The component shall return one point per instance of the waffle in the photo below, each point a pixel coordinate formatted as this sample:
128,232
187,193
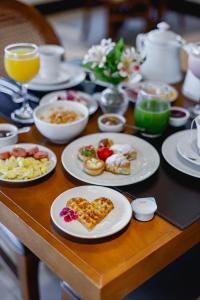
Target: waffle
90,213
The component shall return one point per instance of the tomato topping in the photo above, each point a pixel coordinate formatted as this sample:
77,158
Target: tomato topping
88,151
104,152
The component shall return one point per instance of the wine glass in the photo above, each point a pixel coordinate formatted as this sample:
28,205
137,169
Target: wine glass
22,63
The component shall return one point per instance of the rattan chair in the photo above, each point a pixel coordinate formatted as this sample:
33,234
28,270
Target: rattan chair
21,23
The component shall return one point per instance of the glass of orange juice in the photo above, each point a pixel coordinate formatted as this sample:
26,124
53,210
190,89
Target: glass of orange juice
22,63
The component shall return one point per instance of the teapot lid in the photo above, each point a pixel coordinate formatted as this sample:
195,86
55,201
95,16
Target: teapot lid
162,34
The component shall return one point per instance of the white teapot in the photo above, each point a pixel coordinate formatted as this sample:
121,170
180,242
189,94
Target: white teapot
161,47
191,86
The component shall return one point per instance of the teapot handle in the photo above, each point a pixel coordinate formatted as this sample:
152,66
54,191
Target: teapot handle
141,43
188,48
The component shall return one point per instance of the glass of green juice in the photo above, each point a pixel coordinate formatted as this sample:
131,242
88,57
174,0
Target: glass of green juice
152,112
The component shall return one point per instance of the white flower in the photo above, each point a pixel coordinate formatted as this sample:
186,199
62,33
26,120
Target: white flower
129,63
97,54
108,45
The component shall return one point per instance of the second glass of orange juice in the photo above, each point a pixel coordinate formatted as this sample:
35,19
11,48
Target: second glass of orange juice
22,63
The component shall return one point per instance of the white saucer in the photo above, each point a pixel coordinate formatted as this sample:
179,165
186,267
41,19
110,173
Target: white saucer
171,155
76,76
187,147
60,78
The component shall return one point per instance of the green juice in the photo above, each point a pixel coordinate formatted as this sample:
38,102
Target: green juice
153,115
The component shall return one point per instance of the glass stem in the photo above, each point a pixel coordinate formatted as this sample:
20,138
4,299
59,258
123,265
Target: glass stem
24,94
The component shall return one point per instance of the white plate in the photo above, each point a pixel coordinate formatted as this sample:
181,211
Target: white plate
76,76
171,155
52,158
173,94
62,76
187,147
52,97
144,166
115,221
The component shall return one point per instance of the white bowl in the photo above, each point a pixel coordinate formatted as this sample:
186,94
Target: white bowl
111,128
5,141
61,133
179,121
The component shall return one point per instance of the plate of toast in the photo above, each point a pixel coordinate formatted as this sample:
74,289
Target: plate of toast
110,159
91,212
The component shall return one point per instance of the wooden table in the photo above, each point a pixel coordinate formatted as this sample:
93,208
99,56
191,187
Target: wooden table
109,269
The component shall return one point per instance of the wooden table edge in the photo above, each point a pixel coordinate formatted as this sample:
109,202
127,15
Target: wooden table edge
99,286
151,264
16,219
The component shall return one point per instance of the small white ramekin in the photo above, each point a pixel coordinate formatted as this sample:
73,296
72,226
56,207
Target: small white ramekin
111,128
144,208
177,122
10,140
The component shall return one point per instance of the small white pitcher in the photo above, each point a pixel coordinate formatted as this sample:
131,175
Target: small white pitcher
197,121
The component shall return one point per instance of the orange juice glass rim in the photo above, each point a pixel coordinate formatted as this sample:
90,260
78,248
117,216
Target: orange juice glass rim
21,45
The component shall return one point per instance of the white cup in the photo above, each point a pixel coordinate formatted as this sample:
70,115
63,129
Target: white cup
11,139
50,59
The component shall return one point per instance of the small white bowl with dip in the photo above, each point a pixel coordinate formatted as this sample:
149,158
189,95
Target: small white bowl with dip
111,123
12,138
144,208
179,116
60,133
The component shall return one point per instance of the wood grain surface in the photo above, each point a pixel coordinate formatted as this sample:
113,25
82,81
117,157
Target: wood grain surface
104,269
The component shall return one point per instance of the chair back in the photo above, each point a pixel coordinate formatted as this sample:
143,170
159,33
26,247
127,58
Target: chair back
23,23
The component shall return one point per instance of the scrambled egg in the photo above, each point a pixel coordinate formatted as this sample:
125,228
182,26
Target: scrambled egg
23,168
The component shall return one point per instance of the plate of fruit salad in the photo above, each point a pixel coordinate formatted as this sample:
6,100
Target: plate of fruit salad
25,162
72,95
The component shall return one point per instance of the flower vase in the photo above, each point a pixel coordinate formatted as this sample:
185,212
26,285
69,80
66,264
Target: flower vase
114,100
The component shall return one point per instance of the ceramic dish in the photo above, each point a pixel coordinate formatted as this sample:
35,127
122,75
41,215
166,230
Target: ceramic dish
91,103
158,87
64,132
109,126
144,166
179,116
144,208
187,147
52,159
76,76
171,155
115,221
10,140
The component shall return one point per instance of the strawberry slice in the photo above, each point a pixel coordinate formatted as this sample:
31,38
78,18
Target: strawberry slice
104,152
